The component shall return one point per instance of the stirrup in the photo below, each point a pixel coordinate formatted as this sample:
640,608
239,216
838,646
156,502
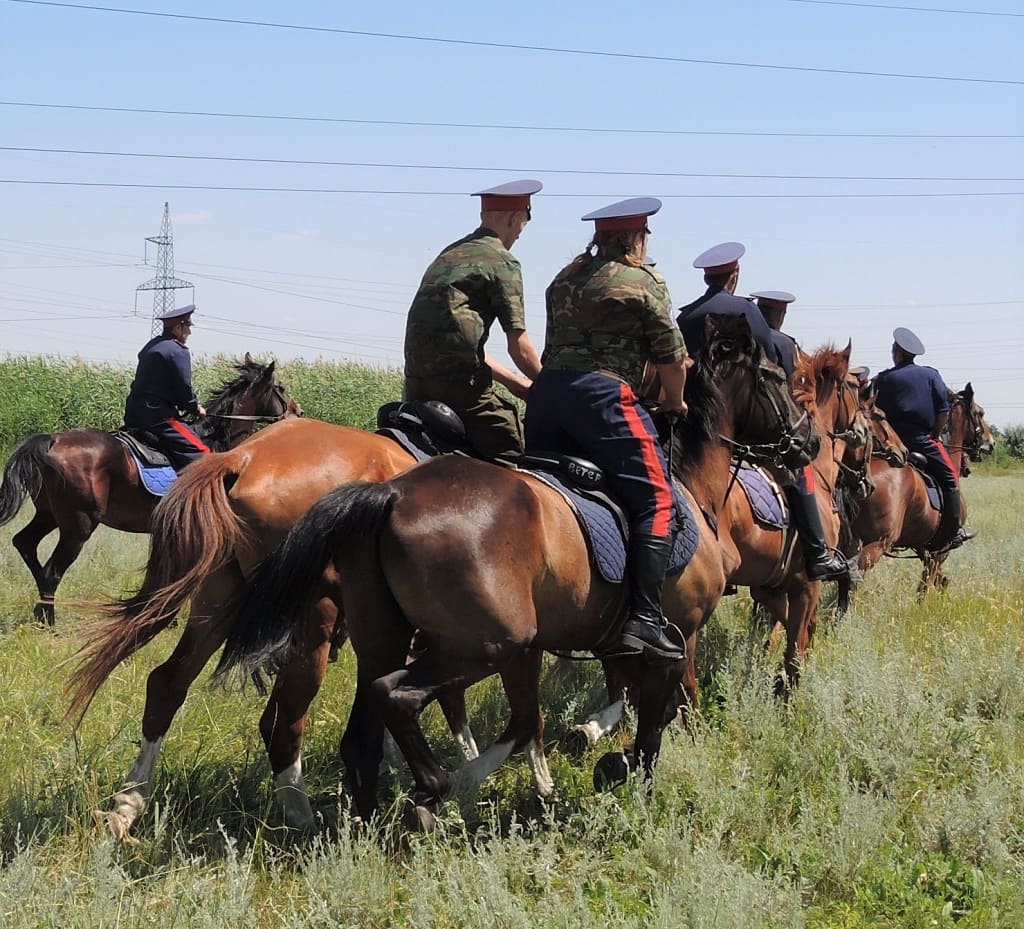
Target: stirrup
830,568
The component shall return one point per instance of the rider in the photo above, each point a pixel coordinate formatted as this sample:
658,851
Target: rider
472,283
916,401
607,317
163,388
822,563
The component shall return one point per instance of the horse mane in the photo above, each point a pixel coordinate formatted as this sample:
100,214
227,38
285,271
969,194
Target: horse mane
702,422
814,373
224,399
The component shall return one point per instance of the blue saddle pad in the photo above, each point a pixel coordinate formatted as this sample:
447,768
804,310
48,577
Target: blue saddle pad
406,442
156,480
605,533
766,501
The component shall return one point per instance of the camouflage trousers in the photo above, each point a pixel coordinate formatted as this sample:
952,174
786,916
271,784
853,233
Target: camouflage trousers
492,423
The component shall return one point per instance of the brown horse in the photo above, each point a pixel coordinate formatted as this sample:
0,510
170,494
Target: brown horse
84,477
761,557
220,519
491,564
769,560
898,515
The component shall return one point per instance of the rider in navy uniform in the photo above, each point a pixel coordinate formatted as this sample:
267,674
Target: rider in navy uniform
162,389
608,317
773,305
916,401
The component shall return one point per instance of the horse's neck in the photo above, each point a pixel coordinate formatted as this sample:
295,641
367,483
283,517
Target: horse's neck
958,426
708,470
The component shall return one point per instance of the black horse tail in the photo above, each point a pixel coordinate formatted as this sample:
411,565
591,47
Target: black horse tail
23,474
283,586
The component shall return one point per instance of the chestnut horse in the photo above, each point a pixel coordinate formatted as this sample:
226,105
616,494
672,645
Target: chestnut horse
84,477
769,560
220,519
491,564
898,515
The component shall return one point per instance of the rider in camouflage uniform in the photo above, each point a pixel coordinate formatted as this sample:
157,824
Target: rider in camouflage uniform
472,283
607,317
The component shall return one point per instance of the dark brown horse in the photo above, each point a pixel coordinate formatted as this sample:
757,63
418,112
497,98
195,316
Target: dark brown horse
898,516
82,478
491,565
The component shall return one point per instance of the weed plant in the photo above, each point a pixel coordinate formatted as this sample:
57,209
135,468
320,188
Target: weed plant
887,792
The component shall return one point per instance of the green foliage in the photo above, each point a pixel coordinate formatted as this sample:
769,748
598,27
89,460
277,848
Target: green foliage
54,394
1012,440
885,794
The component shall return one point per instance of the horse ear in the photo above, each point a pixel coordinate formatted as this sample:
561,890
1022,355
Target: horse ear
846,351
249,359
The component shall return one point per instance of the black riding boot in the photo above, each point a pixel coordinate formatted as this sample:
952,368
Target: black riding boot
823,564
644,632
951,532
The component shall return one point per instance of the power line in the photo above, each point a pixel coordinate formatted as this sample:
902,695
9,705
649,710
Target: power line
472,43
511,126
462,193
906,9
248,159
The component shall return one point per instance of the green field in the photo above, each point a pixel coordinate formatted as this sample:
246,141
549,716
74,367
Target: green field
889,792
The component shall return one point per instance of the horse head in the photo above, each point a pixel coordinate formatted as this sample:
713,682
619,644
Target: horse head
974,435
255,395
766,422
822,385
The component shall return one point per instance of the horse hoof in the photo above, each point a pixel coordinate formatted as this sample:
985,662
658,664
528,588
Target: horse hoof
419,819
611,771
114,824
576,743
43,613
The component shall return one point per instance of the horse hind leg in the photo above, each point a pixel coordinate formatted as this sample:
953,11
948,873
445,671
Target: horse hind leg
26,542
166,689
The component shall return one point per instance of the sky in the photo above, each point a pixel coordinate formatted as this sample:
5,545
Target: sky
868,154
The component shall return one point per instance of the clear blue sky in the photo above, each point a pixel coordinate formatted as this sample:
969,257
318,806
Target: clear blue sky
331,274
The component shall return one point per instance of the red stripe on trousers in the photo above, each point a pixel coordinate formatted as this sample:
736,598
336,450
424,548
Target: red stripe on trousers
179,427
809,478
947,459
662,493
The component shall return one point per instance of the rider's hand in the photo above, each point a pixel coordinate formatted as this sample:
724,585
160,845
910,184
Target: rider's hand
673,413
202,410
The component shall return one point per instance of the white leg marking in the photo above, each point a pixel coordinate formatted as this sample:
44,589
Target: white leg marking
475,772
601,723
539,765
290,789
131,802
466,743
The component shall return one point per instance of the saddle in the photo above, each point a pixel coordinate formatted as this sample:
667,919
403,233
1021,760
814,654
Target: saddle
919,463
156,472
424,428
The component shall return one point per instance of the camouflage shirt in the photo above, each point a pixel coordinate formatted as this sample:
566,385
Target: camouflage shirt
606,315
472,283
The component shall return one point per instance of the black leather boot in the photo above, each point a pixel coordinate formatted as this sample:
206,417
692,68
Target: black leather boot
644,632
951,532
823,564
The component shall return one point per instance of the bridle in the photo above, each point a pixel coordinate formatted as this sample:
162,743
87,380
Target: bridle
973,448
278,393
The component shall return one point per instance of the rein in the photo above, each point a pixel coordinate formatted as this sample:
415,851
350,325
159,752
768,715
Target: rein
248,419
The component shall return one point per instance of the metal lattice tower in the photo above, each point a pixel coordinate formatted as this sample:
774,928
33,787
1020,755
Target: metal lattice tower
165,283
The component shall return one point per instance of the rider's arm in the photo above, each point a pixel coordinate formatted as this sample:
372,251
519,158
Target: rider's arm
181,382
673,380
522,352
512,381
940,424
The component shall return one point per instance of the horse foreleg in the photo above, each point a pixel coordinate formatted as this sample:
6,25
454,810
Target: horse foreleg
166,689
453,705
26,541
801,620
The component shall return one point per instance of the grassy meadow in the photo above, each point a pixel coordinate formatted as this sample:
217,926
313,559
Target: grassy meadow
888,792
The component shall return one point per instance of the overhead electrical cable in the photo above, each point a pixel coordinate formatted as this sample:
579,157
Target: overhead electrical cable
476,43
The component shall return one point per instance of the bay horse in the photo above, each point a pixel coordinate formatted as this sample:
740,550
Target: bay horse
491,564
898,515
84,477
761,557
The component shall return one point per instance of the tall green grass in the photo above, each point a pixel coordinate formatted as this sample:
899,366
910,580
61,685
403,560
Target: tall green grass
888,792
54,394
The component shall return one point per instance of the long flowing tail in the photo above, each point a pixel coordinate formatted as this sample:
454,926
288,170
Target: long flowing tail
195,531
285,582
23,474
